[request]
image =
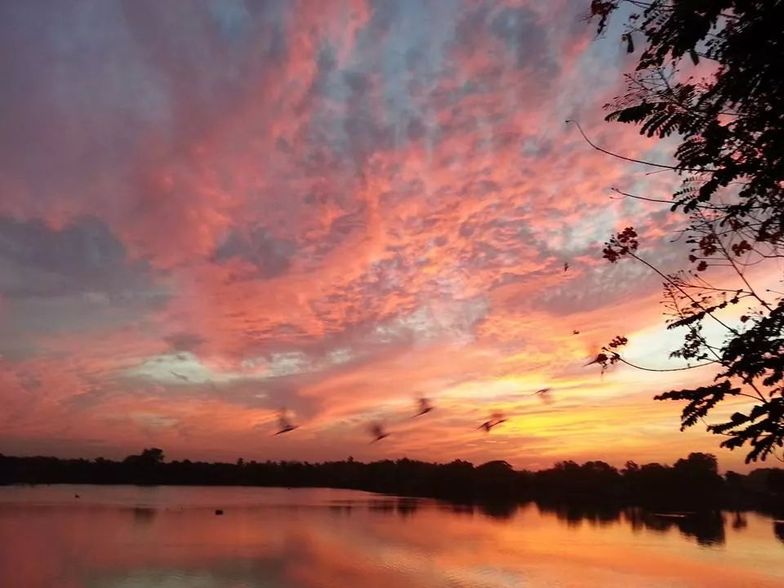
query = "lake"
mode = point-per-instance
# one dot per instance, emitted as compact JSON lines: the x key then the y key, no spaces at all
{"x":170,"y":537}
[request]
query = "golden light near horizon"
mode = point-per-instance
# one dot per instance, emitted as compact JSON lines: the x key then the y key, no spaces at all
{"x":333,"y":208}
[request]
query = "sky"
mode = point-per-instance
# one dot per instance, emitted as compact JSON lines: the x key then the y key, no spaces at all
{"x":210,"y":211}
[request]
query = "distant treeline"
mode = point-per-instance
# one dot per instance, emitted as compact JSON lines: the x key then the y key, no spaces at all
{"x":692,"y":483}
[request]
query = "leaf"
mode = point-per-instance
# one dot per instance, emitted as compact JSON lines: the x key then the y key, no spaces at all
{"x":728,"y":149}
{"x":629,"y":43}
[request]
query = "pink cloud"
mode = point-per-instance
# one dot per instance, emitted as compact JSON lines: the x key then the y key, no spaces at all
{"x":333,"y":208}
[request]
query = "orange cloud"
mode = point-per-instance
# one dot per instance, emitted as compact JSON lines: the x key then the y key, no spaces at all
{"x":329,"y":207}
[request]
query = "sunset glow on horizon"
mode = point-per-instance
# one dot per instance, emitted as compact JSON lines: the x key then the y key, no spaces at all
{"x":212,"y":211}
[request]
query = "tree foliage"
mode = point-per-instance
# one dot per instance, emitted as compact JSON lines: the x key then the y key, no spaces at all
{"x":691,"y":483}
{"x":727,"y":128}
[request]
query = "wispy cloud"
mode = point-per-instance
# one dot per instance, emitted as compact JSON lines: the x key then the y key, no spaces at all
{"x":212,"y":211}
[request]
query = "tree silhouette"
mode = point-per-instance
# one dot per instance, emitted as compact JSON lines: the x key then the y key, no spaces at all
{"x":692,"y":483}
{"x":151,"y":457}
{"x":728,"y":129}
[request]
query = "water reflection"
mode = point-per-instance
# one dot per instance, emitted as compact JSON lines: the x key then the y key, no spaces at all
{"x":382,"y":506}
{"x":143,"y":515}
{"x":739,"y":520}
{"x":341,"y":509}
{"x":574,"y":515}
{"x":707,"y":528}
{"x":499,"y":510}
{"x":407,"y":507}
{"x":778,"y":530}
{"x":125,"y":537}
{"x":459,"y":509}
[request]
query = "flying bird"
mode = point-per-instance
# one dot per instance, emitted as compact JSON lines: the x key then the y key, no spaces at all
{"x":544,"y":395}
{"x":284,"y":424}
{"x":378,"y":432}
{"x":495,"y":419}
{"x":425,"y":406}
{"x":179,"y":376}
{"x":575,"y":332}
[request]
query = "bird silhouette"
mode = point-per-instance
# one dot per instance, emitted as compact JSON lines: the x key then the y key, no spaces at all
{"x":179,"y":376}
{"x":544,"y":395}
{"x":495,"y":419}
{"x":566,"y":265}
{"x":575,"y":332}
{"x":425,"y":406}
{"x":378,"y":432}
{"x":284,"y":424}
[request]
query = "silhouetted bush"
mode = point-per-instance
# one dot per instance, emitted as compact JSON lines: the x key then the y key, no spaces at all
{"x":569,"y":489}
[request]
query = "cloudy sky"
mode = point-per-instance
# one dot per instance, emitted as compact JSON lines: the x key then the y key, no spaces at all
{"x":212,"y":210}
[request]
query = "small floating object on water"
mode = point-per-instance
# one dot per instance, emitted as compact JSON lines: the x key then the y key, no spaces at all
{"x":218,"y":511}
{"x":77,"y":496}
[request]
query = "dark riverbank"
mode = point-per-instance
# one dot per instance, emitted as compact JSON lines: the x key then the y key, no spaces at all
{"x":691,"y":484}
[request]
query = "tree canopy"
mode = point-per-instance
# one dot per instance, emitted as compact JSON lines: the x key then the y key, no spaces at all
{"x":726,"y":126}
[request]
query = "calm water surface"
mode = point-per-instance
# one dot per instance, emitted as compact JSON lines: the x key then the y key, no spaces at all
{"x":131,"y":537}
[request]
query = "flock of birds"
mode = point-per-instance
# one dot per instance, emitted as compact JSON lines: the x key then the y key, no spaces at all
{"x":424,"y":405}
{"x":378,"y":432}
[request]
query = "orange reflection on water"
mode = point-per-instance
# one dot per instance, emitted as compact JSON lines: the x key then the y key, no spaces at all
{"x":122,"y":537}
